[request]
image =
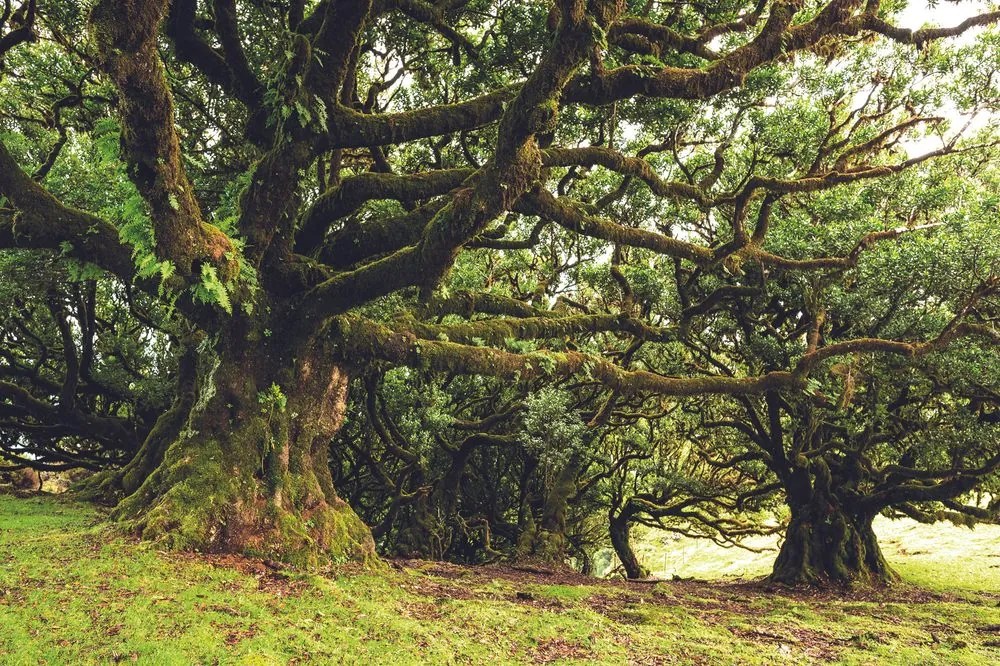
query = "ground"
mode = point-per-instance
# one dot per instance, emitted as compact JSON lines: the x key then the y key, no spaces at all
{"x":73,"y":593}
{"x":939,"y":557}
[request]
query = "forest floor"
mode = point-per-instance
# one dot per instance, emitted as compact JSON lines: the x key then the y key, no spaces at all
{"x":71,"y":592}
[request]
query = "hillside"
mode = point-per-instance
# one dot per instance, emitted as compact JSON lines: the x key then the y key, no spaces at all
{"x":72,"y":593}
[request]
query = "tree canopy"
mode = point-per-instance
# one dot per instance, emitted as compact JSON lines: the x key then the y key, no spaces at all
{"x":508,"y":275}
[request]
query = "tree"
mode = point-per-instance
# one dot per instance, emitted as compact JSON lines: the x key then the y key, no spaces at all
{"x":909,"y":433}
{"x":296,"y":183}
{"x":83,"y":380}
{"x":906,"y":443}
{"x":665,"y":479}
{"x":412,"y":462}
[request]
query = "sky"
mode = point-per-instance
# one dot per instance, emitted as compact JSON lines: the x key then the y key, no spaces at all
{"x":944,"y":13}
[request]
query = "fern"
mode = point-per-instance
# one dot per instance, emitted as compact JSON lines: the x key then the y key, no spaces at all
{"x":211,"y":289}
{"x":135,"y":228}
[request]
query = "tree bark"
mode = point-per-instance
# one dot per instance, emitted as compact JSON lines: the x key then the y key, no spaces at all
{"x":423,"y":533}
{"x":432,"y":526}
{"x":546,"y":540}
{"x":828,"y":543}
{"x":248,"y":471}
{"x":620,"y":530}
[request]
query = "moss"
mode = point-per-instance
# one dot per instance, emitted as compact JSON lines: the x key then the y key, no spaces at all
{"x":349,"y":538}
{"x":194,"y":495}
{"x":293,"y":543}
{"x":104,"y":487}
{"x":75,"y":595}
{"x":227,"y":485}
{"x":203,"y":499}
{"x":832,"y":549}
{"x":540,"y":545}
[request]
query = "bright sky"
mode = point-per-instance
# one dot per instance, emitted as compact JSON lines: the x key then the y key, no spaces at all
{"x":945,"y":13}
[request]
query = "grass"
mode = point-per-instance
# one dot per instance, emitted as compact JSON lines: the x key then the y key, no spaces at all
{"x":71,"y":592}
{"x":941,"y":557}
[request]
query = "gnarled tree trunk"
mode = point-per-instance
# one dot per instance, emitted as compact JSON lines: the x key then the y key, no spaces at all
{"x":248,"y":471}
{"x":422,"y":533}
{"x":546,"y":541}
{"x":824,"y":545}
{"x":828,"y":540}
{"x":621,"y":541}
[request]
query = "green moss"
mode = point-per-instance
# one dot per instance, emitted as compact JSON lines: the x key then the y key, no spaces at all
{"x":235,"y":495}
{"x":73,"y":593}
{"x":102,"y":487}
{"x":195,"y":490}
{"x":542,"y":545}
{"x":349,"y":537}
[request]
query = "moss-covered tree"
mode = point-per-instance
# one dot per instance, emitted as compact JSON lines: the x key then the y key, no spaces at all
{"x":886,"y":428}
{"x":294,"y":182}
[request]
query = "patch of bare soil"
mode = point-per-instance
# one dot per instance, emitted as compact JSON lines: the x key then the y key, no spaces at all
{"x":236,"y":636}
{"x":11,"y":596}
{"x":535,"y":601}
{"x":272,"y":577}
{"x":19,"y":493}
{"x":625,"y":603}
{"x":454,"y":581}
{"x":444,"y":580}
{"x":556,"y":649}
{"x":795,"y":642}
{"x":422,"y":610}
{"x":725,"y":595}
{"x":626,"y":609}
{"x":989,"y":632}
{"x":725,"y":591}
{"x":431,"y":583}
{"x":529,"y":574}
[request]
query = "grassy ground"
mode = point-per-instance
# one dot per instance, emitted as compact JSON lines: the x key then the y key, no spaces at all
{"x":939,"y":557}
{"x":71,"y":593}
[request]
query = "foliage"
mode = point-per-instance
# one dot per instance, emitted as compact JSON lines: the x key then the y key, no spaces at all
{"x":558,"y":268}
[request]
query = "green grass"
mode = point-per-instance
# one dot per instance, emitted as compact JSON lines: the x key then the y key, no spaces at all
{"x":71,"y":592}
{"x":940,"y":557}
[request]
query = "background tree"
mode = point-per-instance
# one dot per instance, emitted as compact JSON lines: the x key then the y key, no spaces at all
{"x":83,"y":379}
{"x":909,"y":432}
{"x":667,"y":478}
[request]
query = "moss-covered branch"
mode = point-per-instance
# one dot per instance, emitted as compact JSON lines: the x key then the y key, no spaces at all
{"x":126,"y":34}
{"x":44,"y":223}
{"x":360,"y":340}
{"x":498,"y":331}
{"x":355,"y":191}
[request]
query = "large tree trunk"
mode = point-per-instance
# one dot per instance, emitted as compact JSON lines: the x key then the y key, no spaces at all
{"x":828,"y":543}
{"x":432,"y":527}
{"x":248,"y":471}
{"x":621,"y":541}
{"x":422,"y":533}
{"x":546,"y":541}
